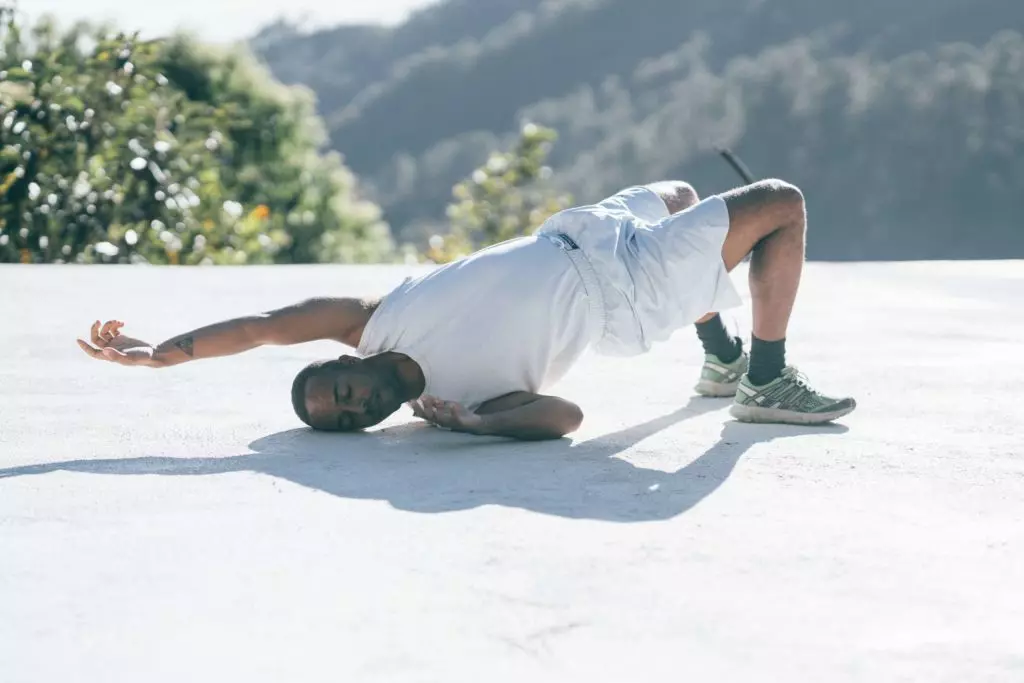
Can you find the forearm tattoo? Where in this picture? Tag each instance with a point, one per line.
(185, 344)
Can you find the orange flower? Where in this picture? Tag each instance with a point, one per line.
(261, 212)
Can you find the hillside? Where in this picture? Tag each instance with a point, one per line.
(902, 120)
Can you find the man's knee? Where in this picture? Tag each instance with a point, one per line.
(678, 195)
(780, 192)
(792, 198)
(783, 201)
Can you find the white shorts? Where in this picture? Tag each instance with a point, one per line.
(653, 273)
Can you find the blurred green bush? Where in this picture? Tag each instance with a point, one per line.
(119, 150)
(509, 196)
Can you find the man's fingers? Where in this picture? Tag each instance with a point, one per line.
(451, 408)
(446, 413)
(109, 330)
(442, 413)
(102, 334)
(431, 407)
(90, 349)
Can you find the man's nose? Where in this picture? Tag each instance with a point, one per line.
(355, 404)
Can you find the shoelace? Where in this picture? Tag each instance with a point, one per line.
(800, 379)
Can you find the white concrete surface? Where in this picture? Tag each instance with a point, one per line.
(177, 525)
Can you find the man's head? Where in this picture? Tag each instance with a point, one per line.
(345, 394)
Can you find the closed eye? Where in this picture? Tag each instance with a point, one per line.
(338, 397)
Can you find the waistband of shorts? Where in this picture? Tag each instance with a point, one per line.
(588, 276)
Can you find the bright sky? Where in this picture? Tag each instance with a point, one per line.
(221, 20)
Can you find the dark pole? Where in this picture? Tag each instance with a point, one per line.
(737, 165)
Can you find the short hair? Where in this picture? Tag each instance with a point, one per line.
(299, 387)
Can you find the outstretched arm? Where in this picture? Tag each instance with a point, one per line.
(519, 415)
(337, 319)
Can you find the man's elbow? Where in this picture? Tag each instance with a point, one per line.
(573, 418)
(566, 419)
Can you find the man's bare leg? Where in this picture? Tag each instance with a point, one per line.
(767, 220)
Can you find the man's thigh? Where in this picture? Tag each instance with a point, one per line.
(680, 271)
(755, 211)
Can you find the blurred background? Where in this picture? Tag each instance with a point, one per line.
(230, 132)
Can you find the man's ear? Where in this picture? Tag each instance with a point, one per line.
(348, 360)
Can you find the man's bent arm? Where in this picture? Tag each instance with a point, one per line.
(340, 320)
(528, 416)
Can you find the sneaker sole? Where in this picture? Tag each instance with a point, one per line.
(711, 389)
(745, 413)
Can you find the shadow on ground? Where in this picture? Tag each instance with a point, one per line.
(418, 468)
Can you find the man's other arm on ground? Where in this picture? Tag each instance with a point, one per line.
(338, 319)
(519, 415)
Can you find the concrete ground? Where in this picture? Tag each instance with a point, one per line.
(179, 525)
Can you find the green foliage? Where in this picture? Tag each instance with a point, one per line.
(507, 197)
(115, 149)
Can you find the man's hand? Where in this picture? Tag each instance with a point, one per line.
(448, 414)
(110, 345)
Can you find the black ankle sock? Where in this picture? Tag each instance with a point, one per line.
(767, 359)
(716, 340)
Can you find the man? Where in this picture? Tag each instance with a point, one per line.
(471, 344)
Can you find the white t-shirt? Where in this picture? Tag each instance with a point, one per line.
(512, 317)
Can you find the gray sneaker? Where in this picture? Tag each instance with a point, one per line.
(718, 379)
(788, 399)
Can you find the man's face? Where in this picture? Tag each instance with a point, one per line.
(350, 396)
